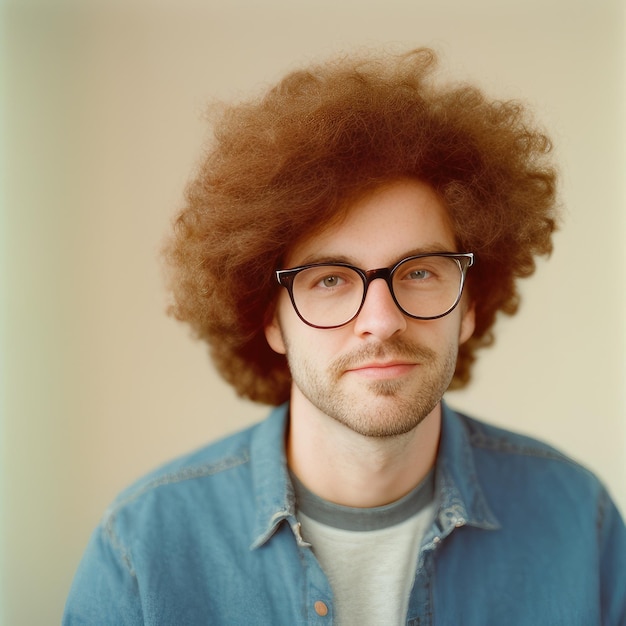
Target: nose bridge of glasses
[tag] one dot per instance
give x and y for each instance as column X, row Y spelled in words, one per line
column 384, row 273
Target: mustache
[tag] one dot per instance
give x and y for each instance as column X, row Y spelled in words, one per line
column 397, row 348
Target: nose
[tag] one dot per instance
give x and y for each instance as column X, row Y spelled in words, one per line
column 379, row 316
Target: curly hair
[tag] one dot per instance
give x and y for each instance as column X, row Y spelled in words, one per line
column 283, row 165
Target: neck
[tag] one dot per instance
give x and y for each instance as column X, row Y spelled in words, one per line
column 347, row 468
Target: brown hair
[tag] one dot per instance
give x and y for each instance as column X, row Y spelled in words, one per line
column 285, row 164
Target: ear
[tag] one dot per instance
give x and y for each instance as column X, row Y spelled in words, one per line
column 274, row 335
column 468, row 323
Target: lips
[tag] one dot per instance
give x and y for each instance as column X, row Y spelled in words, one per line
column 391, row 369
column 393, row 358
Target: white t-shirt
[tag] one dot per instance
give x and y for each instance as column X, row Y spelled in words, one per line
column 369, row 555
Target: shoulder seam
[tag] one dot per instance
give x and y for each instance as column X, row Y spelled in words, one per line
column 186, row 473
column 487, row 436
column 503, row 444
column 480, row 440
column 181, row 475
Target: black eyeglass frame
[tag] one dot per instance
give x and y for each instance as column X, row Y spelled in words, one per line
column 464, row 260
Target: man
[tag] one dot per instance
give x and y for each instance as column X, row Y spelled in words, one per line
column 344, row 250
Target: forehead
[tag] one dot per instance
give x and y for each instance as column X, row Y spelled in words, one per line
column 398, row 219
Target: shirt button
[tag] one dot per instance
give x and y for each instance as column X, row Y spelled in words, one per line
column 320, row 608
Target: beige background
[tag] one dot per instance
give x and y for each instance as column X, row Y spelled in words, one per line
column 102, row 108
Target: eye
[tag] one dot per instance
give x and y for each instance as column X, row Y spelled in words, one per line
column 418, row 274
column 326, row 278
column 329, row 282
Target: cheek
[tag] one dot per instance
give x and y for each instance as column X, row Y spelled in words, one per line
column 443, row 333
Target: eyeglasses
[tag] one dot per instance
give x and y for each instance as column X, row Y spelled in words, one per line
column 330, row 295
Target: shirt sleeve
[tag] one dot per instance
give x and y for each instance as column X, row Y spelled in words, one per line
column 612, row 534
column 105, row 589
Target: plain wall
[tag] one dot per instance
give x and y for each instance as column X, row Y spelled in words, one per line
column 102, row 122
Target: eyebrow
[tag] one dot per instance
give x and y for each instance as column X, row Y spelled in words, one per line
column 340, row 258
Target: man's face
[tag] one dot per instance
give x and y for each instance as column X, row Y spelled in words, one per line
column 383, row 373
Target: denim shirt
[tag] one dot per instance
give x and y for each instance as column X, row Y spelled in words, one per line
column 522, row 536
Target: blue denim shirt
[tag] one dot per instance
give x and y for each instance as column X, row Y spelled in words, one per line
column 522, row 536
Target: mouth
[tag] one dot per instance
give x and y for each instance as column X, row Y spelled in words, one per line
column 382, row 370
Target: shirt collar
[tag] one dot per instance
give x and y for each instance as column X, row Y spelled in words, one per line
column 461, row 499
column 275, row 499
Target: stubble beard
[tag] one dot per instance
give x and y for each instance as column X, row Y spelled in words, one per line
column 380, row 408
